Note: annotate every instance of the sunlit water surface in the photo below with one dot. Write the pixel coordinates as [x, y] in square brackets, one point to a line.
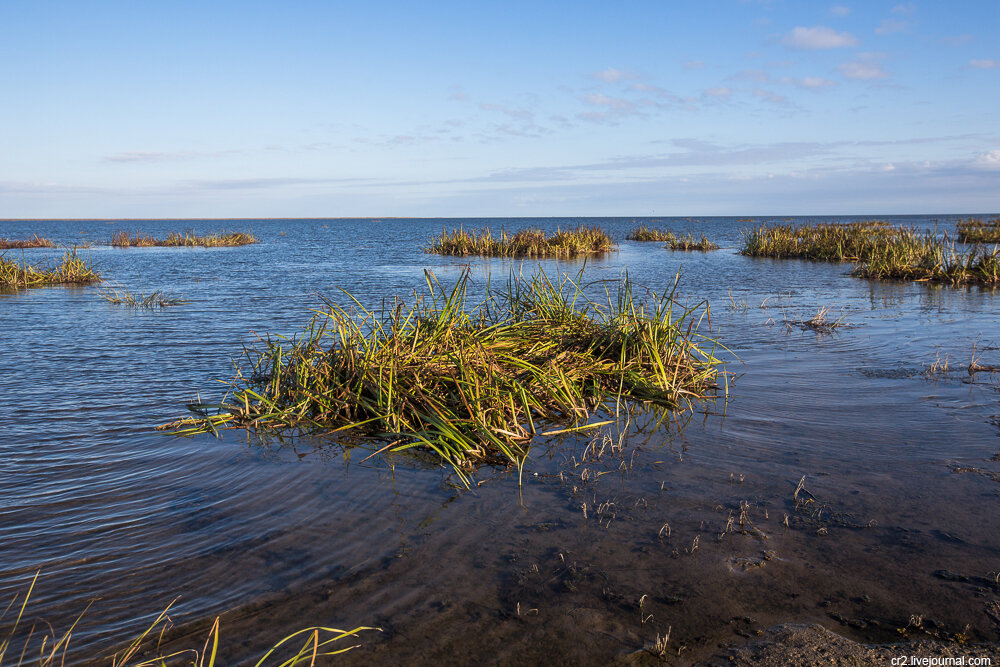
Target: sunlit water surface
[900, 467]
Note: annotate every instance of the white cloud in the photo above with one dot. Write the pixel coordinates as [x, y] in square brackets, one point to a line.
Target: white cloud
[769, 96]
[989, 159]
[889, 26]
[812, 82]
[862, 71]
[907, 9]
[840, 10]
[819, 37]
[612, 75]
[984, 64]
[694, 64]
[720, 92]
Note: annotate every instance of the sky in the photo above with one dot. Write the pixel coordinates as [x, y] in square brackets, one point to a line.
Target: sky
[476, 109]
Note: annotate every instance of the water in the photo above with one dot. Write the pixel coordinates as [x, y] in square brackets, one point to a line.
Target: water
[275, 536]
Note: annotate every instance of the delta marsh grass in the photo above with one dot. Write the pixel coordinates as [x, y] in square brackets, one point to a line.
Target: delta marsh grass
[126, 239]
[879, 250]
[472, 384]
[576, 242]
[973, 230]
[44, 647]
[70, 270]
[35, 241]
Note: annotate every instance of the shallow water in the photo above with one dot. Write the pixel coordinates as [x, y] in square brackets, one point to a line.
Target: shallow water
[899, 466]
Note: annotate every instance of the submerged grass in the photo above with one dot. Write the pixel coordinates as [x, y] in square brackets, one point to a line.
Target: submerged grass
[472, 384]
[35, 241]
[70, 270]
[974, 230]
[122, 296]
[879, 250]
[579, 241]
[49, 649]
[126, 239]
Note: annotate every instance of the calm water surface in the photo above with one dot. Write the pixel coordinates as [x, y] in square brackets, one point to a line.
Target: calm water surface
[901, 470]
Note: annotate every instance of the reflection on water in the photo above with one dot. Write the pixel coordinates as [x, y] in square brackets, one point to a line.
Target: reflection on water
[280, 535]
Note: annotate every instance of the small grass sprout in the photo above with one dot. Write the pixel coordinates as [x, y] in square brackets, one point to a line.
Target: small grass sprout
[689, 242]
[35, 241]
[576, 242]
[70, 270]
[121, 296]
[472, 384]
[126, 239]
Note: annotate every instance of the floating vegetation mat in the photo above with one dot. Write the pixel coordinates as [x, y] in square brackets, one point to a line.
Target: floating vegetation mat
[35, 241]
[580, 241]
[880, 251]
[121, 296]
[473, 384]
[70, 270]
[978, 231]
[125, 239]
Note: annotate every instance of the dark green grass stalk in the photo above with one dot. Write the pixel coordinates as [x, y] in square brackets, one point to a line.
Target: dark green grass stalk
[125, 239]
[472, 383]
[580, 241]
[70, 270]
[35, 241]
[974, 230]
[880, 252]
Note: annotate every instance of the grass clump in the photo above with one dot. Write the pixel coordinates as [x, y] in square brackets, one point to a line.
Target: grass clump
[879, 250]
[580, 241]
[121, 296]
[70, 270]
[473, 384]
[647, 234]
[35, 241]
[974, 230]
[689, 242]
[46, 648]
[126, 239]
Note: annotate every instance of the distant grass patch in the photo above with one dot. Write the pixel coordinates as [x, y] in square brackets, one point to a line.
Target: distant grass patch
[580, 241]
[689, 242]
[70, 270]
[126, 239]
[472, 384]
[121, 296]
[35, 241]
[978, 231]
[879, 250]
[647, 234]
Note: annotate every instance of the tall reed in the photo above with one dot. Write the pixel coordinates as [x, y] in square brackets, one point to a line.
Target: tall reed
[648, 234]
[70, 270]
[473, 384]
[576, 242]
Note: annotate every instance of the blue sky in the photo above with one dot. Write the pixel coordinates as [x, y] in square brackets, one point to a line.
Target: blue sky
[298, 109]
